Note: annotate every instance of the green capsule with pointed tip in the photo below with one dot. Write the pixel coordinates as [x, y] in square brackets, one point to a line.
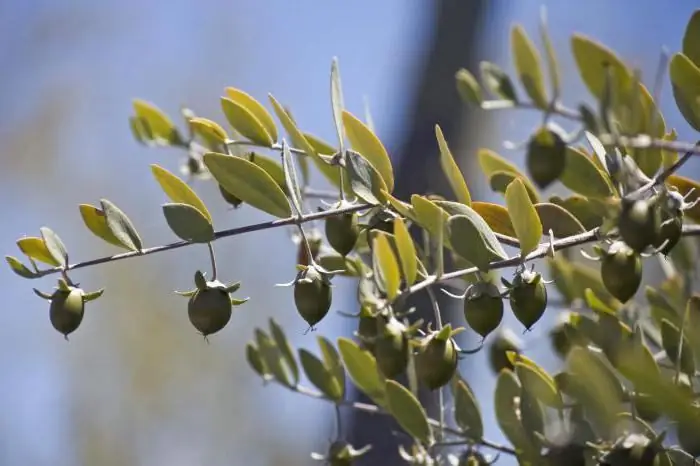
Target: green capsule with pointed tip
[312, 295]
[67, 310]
[528, 298]
[209, 309]
[436, 361]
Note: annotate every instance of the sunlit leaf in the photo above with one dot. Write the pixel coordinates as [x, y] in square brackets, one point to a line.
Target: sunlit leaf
[581, 208]
[245, 122]
[451, 170]
[362, 369]
[496, 216]
[388, 266]
[272, 167]
[473, 240]
[178, 191]
[559, 220]
[685, 78]
[36, 249]
[337, 103]
[527, 63]
[523, 216]
[364, 141]
[551, 56]
[54, 246]
[468, 87]
[689, 188]
[188, 223]
[490, 163]
[408, 412]
[160, 128]
[290, 179]
[497, 81]
[428, 214]
[210, 131]
[19, 268]
[365, 181]
[406, 250]
[537, 382]
[256, 108]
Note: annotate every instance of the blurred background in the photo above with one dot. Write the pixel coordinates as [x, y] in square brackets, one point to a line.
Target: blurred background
[136, 385]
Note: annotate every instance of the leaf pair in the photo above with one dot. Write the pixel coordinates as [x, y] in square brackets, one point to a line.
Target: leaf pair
[271, 356]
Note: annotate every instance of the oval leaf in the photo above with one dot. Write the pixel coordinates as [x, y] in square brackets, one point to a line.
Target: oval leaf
[362, 369]
[497, 81]
[406, 250]
[552, 62]
[256, 108]
[468, 88]
[472, 239]
[365, 180]
[96, 222]
[178, 191]
[527, 63]
[408, 411]
[467, 412]
[285, 350]
[54, 246]
[388, 266]
[506, 398]
[685, 77]
[245, 122]
[210, 131]
[331, 359]
[538, 383]
[36, 249]
[272, 167]
[255, 360]
[319, 375]
[492, 163]
[451, 170]
[364, 141]
[559, 220]
[19, 268]
[188, 223]
[523, 216]
[671, 339]
[496, 216]
[429, 215]
[120, 225]
[581, 208]
[159, 127]
[248, 182]
[272, 357]
[582, 176]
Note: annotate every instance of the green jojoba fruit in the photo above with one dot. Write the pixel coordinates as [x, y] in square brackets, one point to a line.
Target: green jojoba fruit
[528, 297]
[639, 224]
[391, 347]
[312, 295]
[670, 232]
[342, 231]
[67, 310]
[646, 407]
[209, 309]
[570, 454]
[230, 198]
[621, 271]
[483, 307]
[503, 342]
[436, 361]
[546, 156]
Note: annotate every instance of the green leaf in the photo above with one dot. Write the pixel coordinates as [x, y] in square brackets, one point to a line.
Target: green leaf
[256, 108]
[388, 266]
[428, 215]
[506, 405]
[159, 127]
[597, 304]
[364, 141]
[19, 268]
[121, 226]
[406, 251]
[551, 56]
[245, 122]
[337, 103]
[492, 163]
[497, 81]
[524, 217]
[472, 239]
[559, 220]
[527, 63]
[349, 266]
[272, 167]
[685, 77]
[330, 172]
[140, 130]
[671, 338]
[332, 361]
[538, 383]
[408, 411]
[591, 59]
[290, 178]
[466, 411]
[188, 223]
[468, 87]
[272, 357]
[365, 181]
[36, 249]
[54, 246]
[582, 176]
[318, 375]
[580, 207]
[649, 121]
[255, 360]
[285, 350]
[96, 222]
[451, 170]
[213, 135]
[496, 216]
[691, 39]
[248, 182]
[178, 191]
[362, 369]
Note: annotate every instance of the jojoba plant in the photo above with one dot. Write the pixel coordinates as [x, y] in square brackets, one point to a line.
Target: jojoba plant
[628, 379]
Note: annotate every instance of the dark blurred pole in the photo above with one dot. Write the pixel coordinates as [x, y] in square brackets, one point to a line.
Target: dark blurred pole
[435, 101]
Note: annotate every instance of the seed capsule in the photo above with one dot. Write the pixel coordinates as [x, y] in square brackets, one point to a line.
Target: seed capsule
[621, 271]
[312, 295]
[342, 231]
[546, 157]
[436, 361]
[391, 347]
[210, 309]
[483, 308]
[669, 233]
[67, 310]
[639, 224]
[528, 298]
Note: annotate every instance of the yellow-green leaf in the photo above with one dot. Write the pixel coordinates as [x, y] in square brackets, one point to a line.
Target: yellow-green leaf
[332, 362]
[407, 251]
[178, 191]
[285, 348]
[669, 157]
[691, 38]
[96, 222]
[256, 108]
[582, 176]
[363, 140]
[451, 170]
[691, 189]
[210, 131]
[408, 411]
[19, 268]
[551, 56]
[36, 249]
[497, 81]
[685, 78]
[298, 139]
[365, 180]
[160, 127]
[319, 375]
[330, 172]
[272, 167]
[473, 240]
[337, 104]
[492, 163]
[388, 266]
[581, 208]
[559, 220]
[248, 182]
[245, 122]
[506, 396]
[428, 214]
[523, 216]
[401, 207]
[54, 246]
[496, 216]
[121, 226]
[467, 412]
[527, 63]
[362, 369]
[468, 88]
[538, 383]
[188, 223]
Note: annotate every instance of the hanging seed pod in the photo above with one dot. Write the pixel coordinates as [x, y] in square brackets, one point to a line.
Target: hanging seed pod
[639, 223]
[342, 230]
[503, 342]
[230, 198]
[436, 359]
[67, 306]
[670, 233]
[528, 297]
[312, 295]
[483, 307]
[391, 347]
[621, 271]
[546, 156]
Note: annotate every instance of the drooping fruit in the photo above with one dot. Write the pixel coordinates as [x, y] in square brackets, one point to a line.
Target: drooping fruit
[503, 342]
[209, 309]
[483, 307]
[342, 231]
[671, 227]
[528, 297]
[639, 223]
[312, 295]
[391, 347]
[67, 310]
[621, 271]
[436, 359]
[546, 156]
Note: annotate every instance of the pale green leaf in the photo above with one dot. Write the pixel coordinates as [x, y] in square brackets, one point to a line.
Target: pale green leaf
[188, 223]
[19, 268]
[256, 108]
[362, 369]
[365, 180]
[36, 249]
[466, 411]
[523, 216]
[248, 182]
[388, 266]
[506, 398]
[472, 239]
[582, 176]
[551, 56]
[337, 103]
[332, 361]
[685, 78]
[492, 163]
[245, 122]
[96, 222]
[408, 411]
[691, 38]
[178, 191]
[406, 250]
[527, 63]
[364, 141]
[285, 350]
[451, 170]
[560, 221]
[319, 375]
[272, 357]
[272, 167]
[290, 178]
[468, 88]
[538, 383]
[159, 126]
[54, 246]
